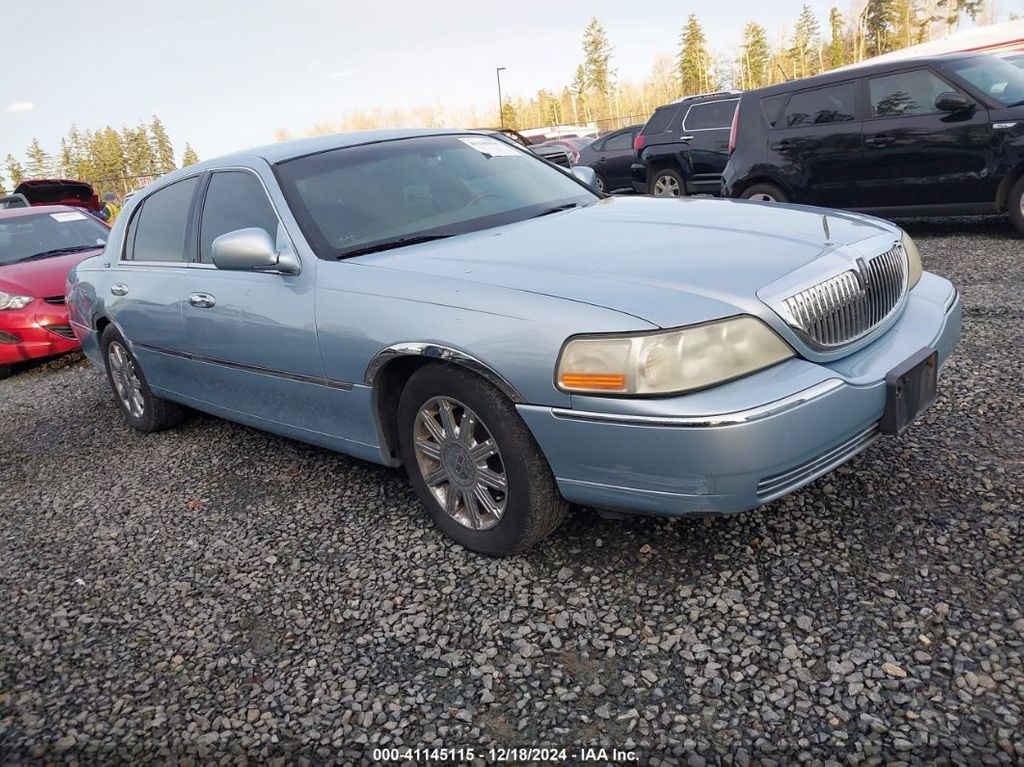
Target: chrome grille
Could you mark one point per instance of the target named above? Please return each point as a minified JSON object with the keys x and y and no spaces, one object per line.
{"x":848,"y":306}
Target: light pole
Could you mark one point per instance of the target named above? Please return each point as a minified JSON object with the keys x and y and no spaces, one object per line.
{"x":501,"y":105}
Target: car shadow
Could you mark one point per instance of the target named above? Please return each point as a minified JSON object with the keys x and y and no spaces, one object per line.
{"x":998,"y":226}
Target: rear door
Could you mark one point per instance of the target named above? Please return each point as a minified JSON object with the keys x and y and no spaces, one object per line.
{"x":614,"y":156}
{"x":915,"y":154}
{"x":148,"y":284}
{"x":817,"y":144}
{"x":705,"y":129}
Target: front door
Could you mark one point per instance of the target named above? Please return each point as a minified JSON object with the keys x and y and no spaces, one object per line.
{"x":148,"y":284}
{"x":915,"y":154}
{"x":252,"y":334}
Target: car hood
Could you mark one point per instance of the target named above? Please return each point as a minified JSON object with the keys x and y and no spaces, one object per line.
{"x":641,"y":256}
{"x":43,"y":278}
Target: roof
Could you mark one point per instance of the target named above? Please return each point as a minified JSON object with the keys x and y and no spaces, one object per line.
{"x":851,"y":72}
{"x":37,"y":209}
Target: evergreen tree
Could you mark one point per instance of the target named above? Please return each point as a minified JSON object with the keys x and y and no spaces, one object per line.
{"x":837,"y":45}
{"x":806,"y":43}
{"x":40,"y":164}
{"x":695,"y":69}
{"x":189,"y":156}
{"x":508,"y":115}
{"x":580,"y":107}
{"x":14,"y":170}
{"x":109,"y":161}
{"x":163,"y":150}
{"x":880,"y":26}
{"x":3,"y":189}
{"x":754,"y":65}
{"x":597,"y":56}
{"x":138,"y":152}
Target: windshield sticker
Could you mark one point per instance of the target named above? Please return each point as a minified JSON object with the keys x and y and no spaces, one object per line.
{"x":71,"y":215}
{"x":490,"y":146}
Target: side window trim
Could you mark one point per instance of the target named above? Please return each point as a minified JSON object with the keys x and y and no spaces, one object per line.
{"x":131,"y":230}
{"x":201,"y":204}
{"x":859,"y":109}
{"x":706,"y":103}
{"x":869,"y":107}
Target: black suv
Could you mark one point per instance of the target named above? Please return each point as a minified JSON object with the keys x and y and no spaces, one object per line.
{"x":941,"y":135}
{"x":684,"y":146}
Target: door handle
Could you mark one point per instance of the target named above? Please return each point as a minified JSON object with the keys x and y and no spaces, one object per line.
{"x":686,"y":138}
{"x":881,"y":140}
{"x":202,"y":300}
{"x":119,"y":289}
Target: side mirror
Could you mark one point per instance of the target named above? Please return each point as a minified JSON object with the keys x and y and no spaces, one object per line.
{"x":951,"y":101}
{"x":585,"y":174}
{"x":252,"y":250}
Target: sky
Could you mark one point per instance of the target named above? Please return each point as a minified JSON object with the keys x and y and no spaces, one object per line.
{"x":225,"y":74}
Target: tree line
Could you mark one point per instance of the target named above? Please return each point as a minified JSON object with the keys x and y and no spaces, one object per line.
{"x":807,"y":46}
{"x":111,"y":160}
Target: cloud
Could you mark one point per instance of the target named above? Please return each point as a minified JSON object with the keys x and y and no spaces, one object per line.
{"x":343,"y":73}
{"x":20,"y":106}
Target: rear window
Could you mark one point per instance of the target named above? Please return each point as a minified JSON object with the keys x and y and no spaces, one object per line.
{"x":772,"y":108}
{"x":712,"y":115}
{"x":831,"y":104}
{"x":157,"y":231}
{"x":659,"y":121}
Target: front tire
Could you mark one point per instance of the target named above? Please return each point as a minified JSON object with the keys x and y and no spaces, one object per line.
{"x":5,"y":371}
{"x":142,"y":409}
{"x":600,"y":183}
{"x":764,"y":193}
{"x":667,"y":183}
{"x":1015,"y":206}
{"x":474,"y":464}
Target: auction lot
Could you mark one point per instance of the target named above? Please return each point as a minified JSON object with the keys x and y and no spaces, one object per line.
{"x":215,"y":591}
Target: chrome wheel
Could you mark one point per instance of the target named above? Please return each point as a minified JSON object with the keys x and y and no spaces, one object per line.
{"x":599,"y":183}
{"x":666,"y":186}
{"x":763,"y":197}
{"x":460,"y":463}
{"x":126,"y":380}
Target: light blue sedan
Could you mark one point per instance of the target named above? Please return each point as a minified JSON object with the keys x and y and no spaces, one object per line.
{"x":450,"y":302}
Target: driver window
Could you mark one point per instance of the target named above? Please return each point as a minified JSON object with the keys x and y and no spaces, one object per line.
{"x":234,"y":200}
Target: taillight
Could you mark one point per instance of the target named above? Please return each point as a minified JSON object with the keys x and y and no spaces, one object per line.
{"x":734,"y":129}
{"x":638,"y":142}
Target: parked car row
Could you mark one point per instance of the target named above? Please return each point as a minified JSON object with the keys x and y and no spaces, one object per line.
{"x":933,"y":136}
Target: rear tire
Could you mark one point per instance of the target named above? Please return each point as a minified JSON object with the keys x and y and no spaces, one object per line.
{"x":667,"y":183}
{"x":1015,"y":206}
{"x":601,"y":183}
{"x":764,"y":193}
{"x":142,"y":409}
{"x":5,"y":371}
{"x":473,"y":463}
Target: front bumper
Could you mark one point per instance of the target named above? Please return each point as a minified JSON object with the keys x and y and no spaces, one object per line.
{"x":747,"y":442}
{"x":41,"y":329}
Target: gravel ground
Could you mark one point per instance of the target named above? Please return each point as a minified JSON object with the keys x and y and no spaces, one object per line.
{"x":216,"y":593}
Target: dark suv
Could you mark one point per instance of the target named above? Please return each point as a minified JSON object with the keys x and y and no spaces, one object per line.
{"x":684,"y":146}
{"x":941,"y":135}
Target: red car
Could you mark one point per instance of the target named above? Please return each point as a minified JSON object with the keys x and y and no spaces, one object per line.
{"x":59,"y":191}
{"x":38,"y":246}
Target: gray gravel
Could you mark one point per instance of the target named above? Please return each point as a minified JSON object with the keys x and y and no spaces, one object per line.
{"x":214,"y":592}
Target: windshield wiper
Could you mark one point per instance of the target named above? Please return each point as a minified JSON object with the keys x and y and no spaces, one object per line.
{"x":1015,"y":104}
{"x":557,"y":209}
{"x":398,"y":242}
{"x":57,"y":252}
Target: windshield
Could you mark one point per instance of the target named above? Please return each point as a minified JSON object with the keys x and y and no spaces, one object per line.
{"x":349,"y":200}
{"x":49,"y":234}
{"x":999,"y":79}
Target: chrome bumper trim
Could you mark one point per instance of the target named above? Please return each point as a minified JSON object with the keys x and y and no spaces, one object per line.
{"x":704,"y":421}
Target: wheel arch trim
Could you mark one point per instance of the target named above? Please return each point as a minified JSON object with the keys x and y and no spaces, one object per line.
{"x":445,"y":354}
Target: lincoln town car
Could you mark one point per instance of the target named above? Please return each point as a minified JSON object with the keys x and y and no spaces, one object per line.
{"x":449,"y":302}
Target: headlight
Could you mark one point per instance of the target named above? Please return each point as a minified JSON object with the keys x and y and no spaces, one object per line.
{"x":914,"y":268}
{"x":8,"y":301}
{"x":670,"y":362}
